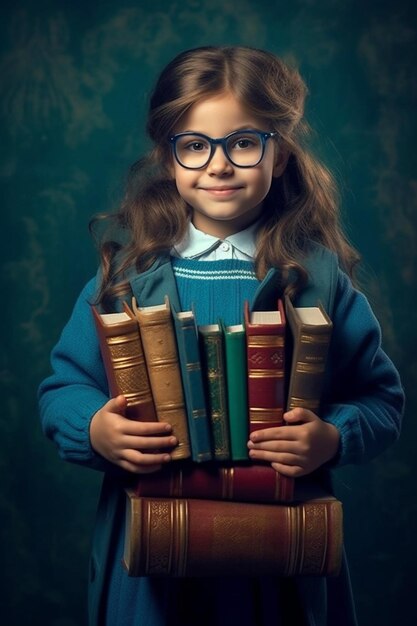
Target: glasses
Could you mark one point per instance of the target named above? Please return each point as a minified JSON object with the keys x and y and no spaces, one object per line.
{"x":243,"y":148}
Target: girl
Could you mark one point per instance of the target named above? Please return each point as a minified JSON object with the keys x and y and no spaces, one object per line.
{"x":229,"y":205}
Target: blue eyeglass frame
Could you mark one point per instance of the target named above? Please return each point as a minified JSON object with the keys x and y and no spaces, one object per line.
{"x":263,"y":136}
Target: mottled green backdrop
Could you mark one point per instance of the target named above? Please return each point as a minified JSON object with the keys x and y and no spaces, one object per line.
{"x":75,"y":77}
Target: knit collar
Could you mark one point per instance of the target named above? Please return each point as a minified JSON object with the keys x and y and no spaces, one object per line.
{"x":196,"y":243}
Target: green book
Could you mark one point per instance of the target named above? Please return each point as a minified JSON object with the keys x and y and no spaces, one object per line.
{"x":213,"y":360}
{"x":237,"y":391}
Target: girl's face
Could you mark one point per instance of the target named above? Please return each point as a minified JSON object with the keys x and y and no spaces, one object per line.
{"x":225,"y":199}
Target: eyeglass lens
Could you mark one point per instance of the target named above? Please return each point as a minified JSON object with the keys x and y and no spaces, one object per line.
{"x":243,"y":149}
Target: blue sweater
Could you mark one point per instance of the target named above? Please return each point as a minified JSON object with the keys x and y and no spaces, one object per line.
{"x":363,"y":399}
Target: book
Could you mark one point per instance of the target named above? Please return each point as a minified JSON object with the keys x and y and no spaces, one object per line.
{"x":193,"y":385}
{"x":217,"y":481}
{"x":265,"y":343}
{"x":237,"y":390}
{"x":181,"y":537}
{"x":161,"y":356}
{"x":310,"y":335}
{"x":124,"y":362}
{"x":211,"y":343}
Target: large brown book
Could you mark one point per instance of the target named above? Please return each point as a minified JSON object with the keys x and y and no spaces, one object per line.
{"x":310,"y":331}
{"x":216,"y":481}
{"x":265,"y":340}
{"x":160,"y":348}
{"x":124,"y":362}
{"x":190,"y":537}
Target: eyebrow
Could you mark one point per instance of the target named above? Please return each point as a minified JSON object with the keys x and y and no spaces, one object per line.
{"x":200,"y":132}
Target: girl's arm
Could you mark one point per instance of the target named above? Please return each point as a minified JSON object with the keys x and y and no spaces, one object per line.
{"x":365,"y":398}
{"x":363,"y":402}
{"x":75,"y":409}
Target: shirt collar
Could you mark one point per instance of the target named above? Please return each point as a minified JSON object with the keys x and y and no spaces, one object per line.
{"x":196,"y":243}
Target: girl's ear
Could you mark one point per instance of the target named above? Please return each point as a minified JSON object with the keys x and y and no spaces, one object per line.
{"x":281,"y":160}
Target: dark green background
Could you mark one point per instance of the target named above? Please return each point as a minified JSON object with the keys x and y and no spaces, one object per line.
{"x":74,"y":81}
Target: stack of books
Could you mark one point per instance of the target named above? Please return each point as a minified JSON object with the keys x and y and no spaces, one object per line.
{"x":214,"y":511}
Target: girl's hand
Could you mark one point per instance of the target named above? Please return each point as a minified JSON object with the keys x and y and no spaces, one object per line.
{"x":139,"y":447}
{"x":299,"y":448}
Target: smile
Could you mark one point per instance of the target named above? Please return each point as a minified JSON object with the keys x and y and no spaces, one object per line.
{"x":221,"y":191}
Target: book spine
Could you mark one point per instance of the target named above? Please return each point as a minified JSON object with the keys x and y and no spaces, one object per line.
{"x":192,"y":380}
{"x":251,"y":483}
{"x":212,"y":350}
{"x":308,"y":366}
{"x":124,"y":363}
{"x":160,"y":349}
{"x":184,"y":537}
{"x":266,"y":374}
{"x":237,"y":393}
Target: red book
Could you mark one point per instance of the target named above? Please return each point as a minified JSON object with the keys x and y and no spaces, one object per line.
{"x":265,"y":344}
{"x":186,"y":537}
{"x":246,"y":483}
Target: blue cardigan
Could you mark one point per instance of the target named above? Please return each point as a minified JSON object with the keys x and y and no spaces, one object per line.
{"x":363,"y":398}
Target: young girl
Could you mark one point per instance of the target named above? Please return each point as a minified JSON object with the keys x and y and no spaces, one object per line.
{"x":229,"y":205}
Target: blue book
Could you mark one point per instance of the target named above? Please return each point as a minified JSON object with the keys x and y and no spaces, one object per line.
{"x":193,"y":385}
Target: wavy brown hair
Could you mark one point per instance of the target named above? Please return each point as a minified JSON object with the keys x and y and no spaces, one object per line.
{"x":302,"y":205}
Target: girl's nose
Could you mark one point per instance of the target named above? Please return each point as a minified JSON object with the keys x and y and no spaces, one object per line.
{"x":219,"y":163}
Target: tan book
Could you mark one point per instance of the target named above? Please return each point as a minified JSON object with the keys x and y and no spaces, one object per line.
{"x":161,"y":355}
{"x":311,"y":330}
{"x":191,"y":537}
{"x":124,"y":361}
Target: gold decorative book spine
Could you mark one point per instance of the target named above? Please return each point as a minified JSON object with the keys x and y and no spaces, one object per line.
{"x":185,"y":537}
{"x":161,"y":355}
{"x":265,"y":341}
{"x":262,"y":350}
{"x":124,"y":361}
{"x":310,"y":345}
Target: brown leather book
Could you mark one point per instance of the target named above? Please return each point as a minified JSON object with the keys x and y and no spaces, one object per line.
{"x":265,"y":340}
{"x":185,"y":537}
{"x":124,"y":362}
{"x":160,"y":348}
{"x":311,"y":331}
{"x":216,"y":481}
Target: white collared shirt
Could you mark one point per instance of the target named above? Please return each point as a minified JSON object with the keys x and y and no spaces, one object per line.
{"x":202,"y":247}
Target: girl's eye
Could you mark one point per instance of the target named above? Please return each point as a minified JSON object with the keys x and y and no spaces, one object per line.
{"x":244,"y":143}
{"x":195,"y":146}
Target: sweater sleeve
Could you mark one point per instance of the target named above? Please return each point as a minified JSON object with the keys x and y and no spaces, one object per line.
{"x":77,"y":388}
{"x":364,"y":399}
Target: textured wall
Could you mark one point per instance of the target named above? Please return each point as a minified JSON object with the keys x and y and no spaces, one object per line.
{"x":74,"y":81}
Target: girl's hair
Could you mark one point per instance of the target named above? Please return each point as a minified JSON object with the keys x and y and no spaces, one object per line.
{"x":302,"y":205}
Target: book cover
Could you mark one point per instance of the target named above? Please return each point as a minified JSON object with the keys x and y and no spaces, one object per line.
{"x":124,"y":362}
{"x":237,"y":390}
{"x":310,"y":335}
{"x":161,"y":356}
{"x":217,"y":481}
{"x":265,"y":343}
{"x":211,"y":343}
{"x":191,"y":537}
{"x":193,"y":385}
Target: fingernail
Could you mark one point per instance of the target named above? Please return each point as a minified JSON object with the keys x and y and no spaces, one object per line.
{"x":166,"y":458}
